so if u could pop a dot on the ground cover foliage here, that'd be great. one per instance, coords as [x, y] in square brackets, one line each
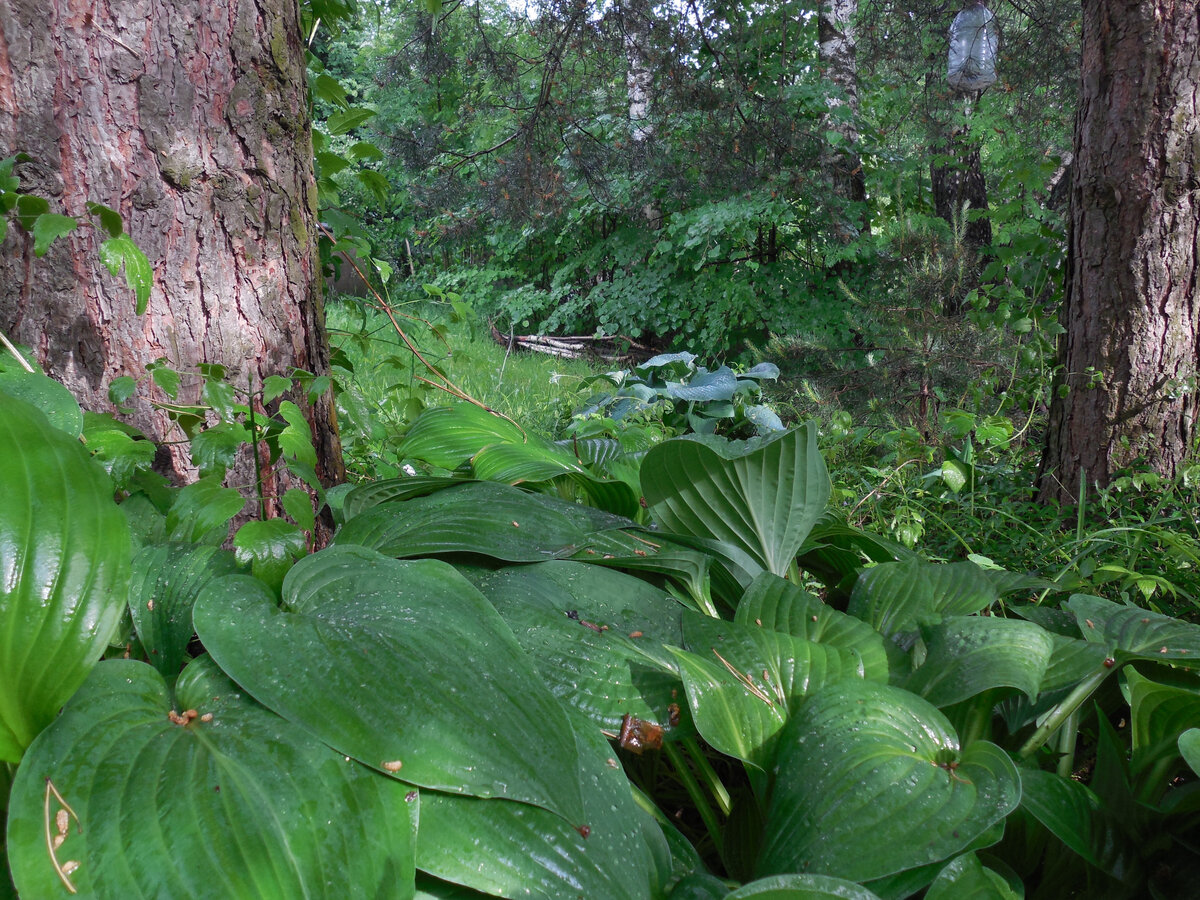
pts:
[569, 665]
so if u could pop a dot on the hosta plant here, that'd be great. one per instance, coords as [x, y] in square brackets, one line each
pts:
[479, 690]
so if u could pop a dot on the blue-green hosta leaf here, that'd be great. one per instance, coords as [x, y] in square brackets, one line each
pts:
[166, 580]
[235, 803]
[965, 878]
[402, 665]
[515, 850]
[539, 460]
[648, 552]
[871, 781]
[1128, 632]
[495, 520]
[802, 887]
[968, 655]
[902, 596]
[775, 603]
[763, 502]
[595, 635]
[704, 386]
[743, 682]
[53, 399]
[448, 436]
[64, 569]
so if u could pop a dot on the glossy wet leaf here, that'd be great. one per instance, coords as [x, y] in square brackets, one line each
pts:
[372, 493]
[166, 580]
[966, 878]
[595, 636]
[402, 665]
[967, 655]
[202, 511]
[1129, 632]
[56, 402]
[802, 887]
[515, 850]
[1189, 748]
[269, 547]
[242, 805]
[871, 781]
[775, 603]
[1073, 813]
[902, 596]
[64, 571]
[1159, 714]
[494, 520]
[763, 502]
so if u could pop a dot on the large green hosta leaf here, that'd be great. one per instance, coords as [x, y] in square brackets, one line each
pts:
[777, 604]
[802, 887]
[402, 665]
[515, 850]
[902, 596]
[595, 635]
[64, 571]
[763, 502]
[1132, 633]
[166, 581]
[871, 781]
[968, 655]
[239, 805]
[494, 520]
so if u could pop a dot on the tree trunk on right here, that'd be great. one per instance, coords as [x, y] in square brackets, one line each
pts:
[1127, 389]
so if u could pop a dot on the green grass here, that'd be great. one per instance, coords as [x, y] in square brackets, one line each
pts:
[385, 391]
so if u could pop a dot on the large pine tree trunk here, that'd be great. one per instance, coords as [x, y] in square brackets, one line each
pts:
[1129, 354]
[192, 121]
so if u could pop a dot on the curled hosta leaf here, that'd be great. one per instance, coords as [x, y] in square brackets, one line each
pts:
[595, 636]
[763, 502]
[209, 796]
[902, 596]
[870, 780]
[1132, 633]
[972, 654]
[965, 878]
[802, 887]
[1189, 748]
[495, 520]
[743, 682]
[402, 665]
[515, 850]
[64, 569]
[777, 604]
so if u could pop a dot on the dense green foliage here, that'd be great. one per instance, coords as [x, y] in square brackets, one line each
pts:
[668, 673]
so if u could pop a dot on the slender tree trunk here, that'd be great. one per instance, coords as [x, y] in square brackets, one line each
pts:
[959, 185]
[1128, 388]
[837, 53]
[639, 86]
[192, 121]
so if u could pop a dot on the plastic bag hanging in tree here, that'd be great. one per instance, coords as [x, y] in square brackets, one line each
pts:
[974, 43]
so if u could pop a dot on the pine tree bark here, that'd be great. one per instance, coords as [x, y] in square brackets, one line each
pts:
[1128, 388]
[192, 121]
